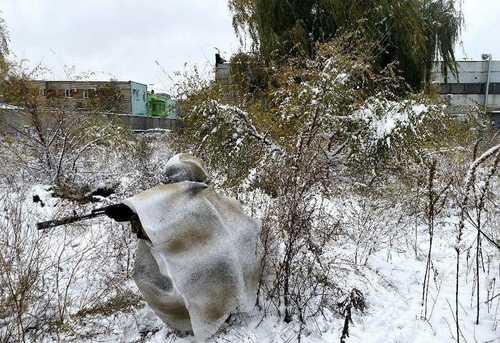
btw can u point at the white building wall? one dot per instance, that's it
(470, 72)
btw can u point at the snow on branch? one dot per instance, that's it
(242, 122)
(386, 118)
(469, 178)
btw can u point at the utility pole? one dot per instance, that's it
(487, 57)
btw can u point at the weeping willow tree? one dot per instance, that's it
(4, 47)
(412, 33)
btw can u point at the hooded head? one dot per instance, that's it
(184, 167)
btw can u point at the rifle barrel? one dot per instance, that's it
(68, 220)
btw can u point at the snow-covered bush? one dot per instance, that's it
(349, 107)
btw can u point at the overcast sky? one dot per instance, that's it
(148, 40)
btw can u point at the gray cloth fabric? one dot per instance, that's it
(203, 259)
(184, 167)
(158, 290)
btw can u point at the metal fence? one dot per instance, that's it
(144, 123)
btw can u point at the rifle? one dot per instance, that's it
(118, 212)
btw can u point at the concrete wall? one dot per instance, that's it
(473, 99)
(10, 120)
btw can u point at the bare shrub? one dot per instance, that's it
(470, 195)
(46, 278)
(23, 256)
(146, 160)
(60, 144)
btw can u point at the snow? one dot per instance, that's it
(395, 304)
(176, 159)
(386, 117)
(4, 106)
(342, 78)
(391, 280)
(392, 283)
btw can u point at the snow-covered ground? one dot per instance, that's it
(87, 275)
(391, 281)
(393, 288)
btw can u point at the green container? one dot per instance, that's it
(161, 106)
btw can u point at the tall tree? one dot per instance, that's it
(411, 32)
(4, 46)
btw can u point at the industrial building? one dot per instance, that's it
(126, 97)
(477, 83)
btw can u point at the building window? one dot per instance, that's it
(473, 88)
(89, 93)
(67, 93)
(457, 88)
(495, 88)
